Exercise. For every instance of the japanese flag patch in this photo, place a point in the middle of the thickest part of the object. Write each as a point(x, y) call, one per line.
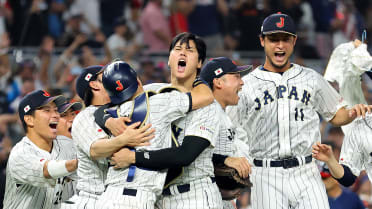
point(218, 71)
point(88, 77)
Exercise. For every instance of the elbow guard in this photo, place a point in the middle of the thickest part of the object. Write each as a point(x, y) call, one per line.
point(348, 179)
point(57, 169)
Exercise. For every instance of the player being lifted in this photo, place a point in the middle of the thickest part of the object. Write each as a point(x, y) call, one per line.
point(39, 160)
point(278, 107)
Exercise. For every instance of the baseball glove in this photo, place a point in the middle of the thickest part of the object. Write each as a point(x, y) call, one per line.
point(229, 182)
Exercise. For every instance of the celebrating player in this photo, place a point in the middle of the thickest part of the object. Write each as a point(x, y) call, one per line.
point(38, 161)
point(356, 148)
point(141, 188)
point(92, 168)
point(278, 107)
point(196, 133)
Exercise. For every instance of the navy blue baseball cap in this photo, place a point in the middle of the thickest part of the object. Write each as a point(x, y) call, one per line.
point(217, 67)
point(278, 23)
point(36, 99)
point(88, 74)
point(75, 106)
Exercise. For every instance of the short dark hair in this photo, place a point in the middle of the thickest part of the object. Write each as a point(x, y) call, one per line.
point(88, 95)
point(186, 37)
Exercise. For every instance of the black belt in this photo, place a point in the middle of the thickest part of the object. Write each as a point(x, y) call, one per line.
point(130, 192)
point(285, 163)
point(182, 188)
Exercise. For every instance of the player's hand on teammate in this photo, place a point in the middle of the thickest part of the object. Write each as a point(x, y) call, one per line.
point(240, 164)
point(122, 158)
point(134, 136)
point(322, 152)
point(117, 125)
point(360, 110)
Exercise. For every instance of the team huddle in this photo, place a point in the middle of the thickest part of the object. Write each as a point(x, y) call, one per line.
point(159, 145)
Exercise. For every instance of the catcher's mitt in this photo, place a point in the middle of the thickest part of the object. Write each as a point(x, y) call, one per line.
point(229, 182)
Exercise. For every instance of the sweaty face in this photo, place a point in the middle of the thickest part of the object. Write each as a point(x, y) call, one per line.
point(183, 61)
point(278, 49)
point(65, 123)
point(45, 121)
point(231, 85)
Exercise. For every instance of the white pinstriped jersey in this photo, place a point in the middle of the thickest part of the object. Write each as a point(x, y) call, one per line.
point(203, 123)
point(91, 173)
point(280, 112)
point(65, 187)
point(356, 151)
point(163, 109)
point(227, 133)
point(26, 186)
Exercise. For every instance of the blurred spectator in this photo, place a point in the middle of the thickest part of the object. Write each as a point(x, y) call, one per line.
point(151, 73)
point(30, 22)
point(90, 10)
point(365, 190)
point(55, 21)
point(350, 23)
point(117, 42)
point(339, 197)
point(178, 19)
point(6, 15)
point(111, 10)
point(155, 27)
point(204, 21)
point(249, 20)
point(325, 21)
point(335, 137)
point(72, 28)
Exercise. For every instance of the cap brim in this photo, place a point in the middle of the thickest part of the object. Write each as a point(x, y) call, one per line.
point(75, 107)
point(58, 100)
point(278, 31)
point(244, 69)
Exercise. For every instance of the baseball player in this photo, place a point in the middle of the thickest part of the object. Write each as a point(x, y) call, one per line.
point(122, 84)
point(66, 187)
point(356, 148)
point(37, 163)
point(196, 134)
point(278, 107)
point(92, 168)
point(224, 77)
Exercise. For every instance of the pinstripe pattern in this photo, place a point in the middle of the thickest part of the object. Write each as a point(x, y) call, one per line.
point(226, 136)
point(280, 116)
point(163, 109)
point(299, 187)
point(25, 169)
point(91, 173)
point(82, 201)
point(357, 146)
point(260, 120)
point(203, 194)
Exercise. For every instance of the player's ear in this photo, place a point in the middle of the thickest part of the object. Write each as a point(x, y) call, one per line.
point(94, 85)
point(262, 41)
point(29, 120)
point(217, 83)
point(199, 64)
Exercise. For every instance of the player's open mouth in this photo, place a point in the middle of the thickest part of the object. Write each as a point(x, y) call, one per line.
point(69, 129)
point(279, 55)
point(53, 125)
point(181, 65)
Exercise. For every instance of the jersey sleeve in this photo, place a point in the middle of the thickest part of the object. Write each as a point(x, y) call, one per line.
point(352, 151)
point(204, 123)
point(26, 167)
point(327, 100)
point(85, 131)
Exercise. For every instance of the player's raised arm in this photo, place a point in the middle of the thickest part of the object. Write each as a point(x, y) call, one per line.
point(345, 116)
point(201, 94)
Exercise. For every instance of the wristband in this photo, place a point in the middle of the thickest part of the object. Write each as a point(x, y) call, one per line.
point(57, 168)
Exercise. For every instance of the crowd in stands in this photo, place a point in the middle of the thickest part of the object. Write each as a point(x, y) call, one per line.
point(66, 36)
